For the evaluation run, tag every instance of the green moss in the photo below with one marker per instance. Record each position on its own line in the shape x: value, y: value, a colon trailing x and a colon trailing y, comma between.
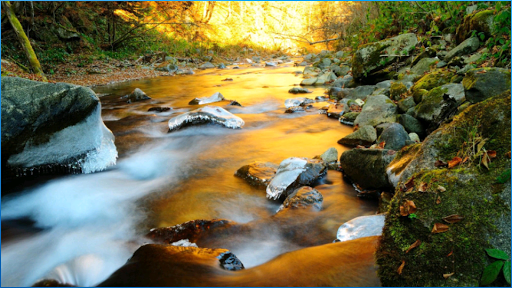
x: 430, y: 101
x: 350, y: 116
x: 432, y: 80
x: 396, y: 90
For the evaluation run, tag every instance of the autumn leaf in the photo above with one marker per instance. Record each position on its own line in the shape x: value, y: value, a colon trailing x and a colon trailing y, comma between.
x: 485, y: 160
x: 438, y: 200
x: 454, y: 162
x: 356, y: 127
x: 453, y: 218
x: 399, y: 270
x: 439, y: 228
x: 446, y: 276
x: 465, y: 159
x: 508, y: 154
x: 449, y: 254
x: 381, y: 145
x: 409, y: 184
x: 413, y: 245
x: 441, y: 188
x: 407, y: 208
x: 491, y: 154
x: 440, y: 163
x: 360, y: 147
x: 423, y: 187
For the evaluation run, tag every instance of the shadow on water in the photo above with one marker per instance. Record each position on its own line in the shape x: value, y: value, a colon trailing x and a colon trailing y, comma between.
x: 87, y: 226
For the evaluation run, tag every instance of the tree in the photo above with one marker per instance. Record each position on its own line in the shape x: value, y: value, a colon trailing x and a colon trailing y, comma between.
x: 22, y: 37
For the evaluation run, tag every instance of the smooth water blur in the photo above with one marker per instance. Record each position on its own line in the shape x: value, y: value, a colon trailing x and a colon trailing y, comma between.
x: 93, y: 223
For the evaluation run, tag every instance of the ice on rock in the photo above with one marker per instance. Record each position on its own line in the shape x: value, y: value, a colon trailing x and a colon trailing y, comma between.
x: 293, y: 172
x: 363, y: 226
x: 299, y: 101
x: 184, y: 243
x: 207, y: 114
x: 216, y: 97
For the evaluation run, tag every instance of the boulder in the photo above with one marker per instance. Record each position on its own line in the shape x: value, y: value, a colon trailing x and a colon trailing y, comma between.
x: 394, y: 136
x: 482, y: 21
x: 362, y: 226
x: 365, y: 136
x: 349, y: 118
x: 396, y: 90
x: 46, y: 127
x: 367, y: 167
x: 303, y: 197
x: 336, y: 110
x: 270, y: 64
x: 136, y: 95
x: 292, y: 173
x: 378, y: 109
x: 423, y: 66
x: 468, y: 46
x: 192, y: 231
x: 405, y: 104
x: 480, y: 84
x: 167, y: 66
x: 159, y: 109
x: 298, y: 90
x: 439, y: 104
x: 206, y: 114
x: 330, y: 157
x: 308, y: 82
x: 360, y: 92
x: 373, y: 57
x: 310, y: 71
x: 325, y: 78
x: 216, y: 97
x: 257, y: 173
x: 411, y: 124
x: 343, y: 81
x: 207, y: 65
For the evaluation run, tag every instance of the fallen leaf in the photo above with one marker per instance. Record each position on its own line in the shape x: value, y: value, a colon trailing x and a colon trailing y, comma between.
x: 409, y: 183
x: 453, y: 218
x: 382, y: 144
x: 491, y: 154
x: 446, y: 276
x: 407, y: 208
x: 465, y: 159
x: 454, y: 162
x: 401, y: 267
x: 485, y: 160
x: 356, y: 127
x: 441, y: 188
x: 449, y: 254
x: 440, y: 228
x: 413, y: 245
x: 508, y: 154
x: 438, y: 200
x: 440, y: 163
x: 423, y: 187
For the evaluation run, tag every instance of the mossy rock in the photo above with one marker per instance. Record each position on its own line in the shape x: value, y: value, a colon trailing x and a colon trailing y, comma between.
x: 482, y: 21
x: 350, y: 116
x: 469, y: 193
x: 432, y: 80
x: 396, y: 90
x: 482, y: 83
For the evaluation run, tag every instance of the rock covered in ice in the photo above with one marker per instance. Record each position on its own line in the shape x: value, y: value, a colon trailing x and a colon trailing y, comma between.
x: 216, y: 97
x: 184, y: 243
x: 46, y: 125
x: 207, y: 114
x: 363, y: 226
x: 294, y: 172
x: 299, y: 101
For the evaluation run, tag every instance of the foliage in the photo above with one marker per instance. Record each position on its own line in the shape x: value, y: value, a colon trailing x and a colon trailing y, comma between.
x: 492, y: 271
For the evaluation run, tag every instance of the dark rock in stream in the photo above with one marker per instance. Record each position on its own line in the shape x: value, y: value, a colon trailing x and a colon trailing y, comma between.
x: 367, y: 167
x: 51, y: 127
x: 159, y: 109
x: 258, y: 173
x: 297, y: 90
x: 207, y: 114
x: 190, y: 230
x: 51, y: 283
x: 292, y: 173
x: 394, y: 136
x: 303, y: 197
x: 216, y: 97
x: 349, y: 263
x: 229, y: 261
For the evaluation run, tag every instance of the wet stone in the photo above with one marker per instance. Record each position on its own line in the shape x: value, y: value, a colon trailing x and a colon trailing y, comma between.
x: 229, y: 261
x: 303, y: 197
x: 159, y: 109
x: 258, y: 173
x: 207, y: 114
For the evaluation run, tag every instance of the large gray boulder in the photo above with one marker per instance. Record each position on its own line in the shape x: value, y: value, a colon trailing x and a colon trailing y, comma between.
x: 377, y: 109
x: 480, y: 84
x: 468, y: 46
x: 367, y: 167
x: 46, y: 126
x: 439, y: 104
x: 378, y: 55
x: 364, y: 136
x: 394, y: 136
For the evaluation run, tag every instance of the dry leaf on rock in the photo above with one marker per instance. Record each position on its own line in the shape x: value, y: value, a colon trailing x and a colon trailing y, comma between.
x: 453, y: 218
x: 446, y: 276
x: 407, y: 208
x: 454, y: 162
x: 440, y: 228
x: 441, y: 188
x: 413, y: 245
x: 399, y: 270
x: 438, y: 200
x: 423, y: 187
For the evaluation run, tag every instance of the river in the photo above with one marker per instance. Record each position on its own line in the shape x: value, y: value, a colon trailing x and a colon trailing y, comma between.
x: 79, y: 229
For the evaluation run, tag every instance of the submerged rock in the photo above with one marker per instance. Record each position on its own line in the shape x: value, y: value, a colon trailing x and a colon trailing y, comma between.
x: 207, y: 114
x: 359, y: 227
x: 258, y: 173
x: 136, y: 95
x: 216, y: 97
x: 294, y: 172
x: 299, y: 101
x: 303, y: 197
x: 46, y: 126
x: 159, y: 109
x: 191, y: 231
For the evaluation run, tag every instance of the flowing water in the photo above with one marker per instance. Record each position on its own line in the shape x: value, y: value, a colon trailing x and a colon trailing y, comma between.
x: 80, y: 228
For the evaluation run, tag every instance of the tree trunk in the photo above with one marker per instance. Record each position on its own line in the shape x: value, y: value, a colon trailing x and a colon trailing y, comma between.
x: 25, y: 43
